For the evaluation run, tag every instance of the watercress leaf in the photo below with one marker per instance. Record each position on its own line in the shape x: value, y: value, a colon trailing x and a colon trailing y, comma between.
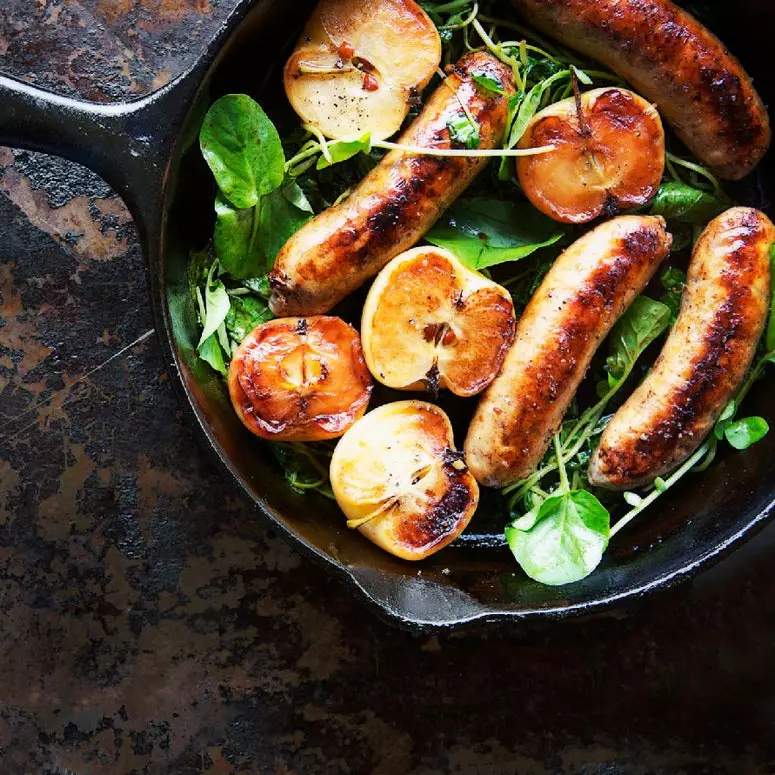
x: 643, y: 322
x: 345, y: 148
x: 632, y: 499
x: 660, y: 485
x: 681, y: 202
x: 486, y: 232
x: 294, y: 193
x: 488, y: 83
x: 199, y: 264
x: 210, y: 351
x: 673, y: 281
x: 582, y: 76
x: 743, y: 433
x: 259, y: 285
x: 234, y: 240
x: 245, y: 313
x: 242, y: 148
x: 565, y: 541
x: 463, y: 131
x: 216, y: 302
x: 724, y: 418
x: 529, y: 107
x: 279, y: 219
x: 770, y: 337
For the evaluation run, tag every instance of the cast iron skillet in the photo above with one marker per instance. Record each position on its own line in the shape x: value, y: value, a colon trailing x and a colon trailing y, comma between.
x: 147, y: 150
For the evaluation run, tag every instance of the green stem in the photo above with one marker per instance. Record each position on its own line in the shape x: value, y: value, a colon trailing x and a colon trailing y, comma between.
x: 651, y: 497
x: 564, y: 483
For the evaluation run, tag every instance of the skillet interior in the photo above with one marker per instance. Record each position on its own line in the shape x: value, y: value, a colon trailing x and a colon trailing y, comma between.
x: 476, y: 577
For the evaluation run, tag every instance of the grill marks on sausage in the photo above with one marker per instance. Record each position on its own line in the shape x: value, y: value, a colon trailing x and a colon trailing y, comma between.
x: 674, y: 60
x: 591, y: 310
x: 692, y: 407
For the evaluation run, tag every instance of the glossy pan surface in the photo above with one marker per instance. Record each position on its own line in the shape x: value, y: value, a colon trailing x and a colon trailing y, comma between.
x: 147, y: 150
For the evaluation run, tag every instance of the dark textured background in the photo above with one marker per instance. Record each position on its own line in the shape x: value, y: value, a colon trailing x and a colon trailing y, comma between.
x: 150, y: 623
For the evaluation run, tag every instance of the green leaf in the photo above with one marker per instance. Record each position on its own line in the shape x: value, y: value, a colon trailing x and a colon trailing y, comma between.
x: 242, y: 148
x: 529, y: 107
x: 216, y: 305
x: 345, y: 148
x: 743, y: 433
x: 730, y: 410
x: 259, y: 285
x: 486, y: 232
x: 211, y: 352
x: 643, y: 322
x: 199, y: 263
x: 488, y: 83
x: 463, y: 131
x: 582, y: 76
x: 295, y: 195
x: 770, y: 337
x: 564, y: 540
x: 680, y: 202
x: 279, y: 219
x: 235, y: 241
x: 245, y: 314
x: 673, y: 281
x: 305, y: 466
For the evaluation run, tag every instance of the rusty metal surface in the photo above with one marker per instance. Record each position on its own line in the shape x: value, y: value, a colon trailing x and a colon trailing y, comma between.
x: 149, y: 623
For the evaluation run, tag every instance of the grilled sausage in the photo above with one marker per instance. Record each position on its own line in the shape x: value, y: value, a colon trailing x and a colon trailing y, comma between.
x: 704, y: 360
x: 589, y: 286
x: 397, y: 202
x: 675, y: 62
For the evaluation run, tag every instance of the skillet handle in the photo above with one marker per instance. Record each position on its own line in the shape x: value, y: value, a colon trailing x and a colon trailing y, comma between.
x: 127, y: 144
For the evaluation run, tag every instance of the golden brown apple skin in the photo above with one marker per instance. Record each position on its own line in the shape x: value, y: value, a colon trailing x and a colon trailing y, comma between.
x: 587, y: 289
x: 609, y: 156
x: 666, y: 55
x: 300, y: 379
x: 705, y: 358
x: 397, y: 202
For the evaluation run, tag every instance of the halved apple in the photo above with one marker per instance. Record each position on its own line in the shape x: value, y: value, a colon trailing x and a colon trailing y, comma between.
x: 609, y: 155
x: 359, y: 64
x: 429, y: 322
x: 300, y: 379
x: 398, y: 479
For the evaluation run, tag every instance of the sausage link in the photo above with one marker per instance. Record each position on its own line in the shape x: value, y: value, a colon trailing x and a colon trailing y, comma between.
x: 675, y: 62
x: 397, y: 202
x: 587, y: 289
x: 704, y: 360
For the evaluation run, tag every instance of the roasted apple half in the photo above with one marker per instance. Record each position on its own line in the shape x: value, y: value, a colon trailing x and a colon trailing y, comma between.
x: 359, y: 64
x: 300, y: 379
x: 398, y: 479
x: 609, y: 155
x: 430, y: 322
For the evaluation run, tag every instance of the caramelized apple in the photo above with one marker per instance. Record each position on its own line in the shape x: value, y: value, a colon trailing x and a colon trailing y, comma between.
x: 430, y: 322
x: 360, y: 63
x: 300, y: 379
x: 399, y: 480
x: 609, y: 155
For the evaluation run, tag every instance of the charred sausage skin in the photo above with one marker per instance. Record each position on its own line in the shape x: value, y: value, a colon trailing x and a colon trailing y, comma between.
x: 589, y: 286
x: 723, y: 313
x: 674, y: 61
x: 397, y: 202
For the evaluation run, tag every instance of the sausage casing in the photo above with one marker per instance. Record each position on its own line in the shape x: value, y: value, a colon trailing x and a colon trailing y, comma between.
x: 397, y: 202
x: 587, y: 289
x: 710, y: 347
x: 675, y: 62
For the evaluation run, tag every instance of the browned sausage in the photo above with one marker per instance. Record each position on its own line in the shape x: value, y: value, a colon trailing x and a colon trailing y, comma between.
x: 710, y: 347
x: 674, y: 61
x: 589, y: 286
x: 397, y: 202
